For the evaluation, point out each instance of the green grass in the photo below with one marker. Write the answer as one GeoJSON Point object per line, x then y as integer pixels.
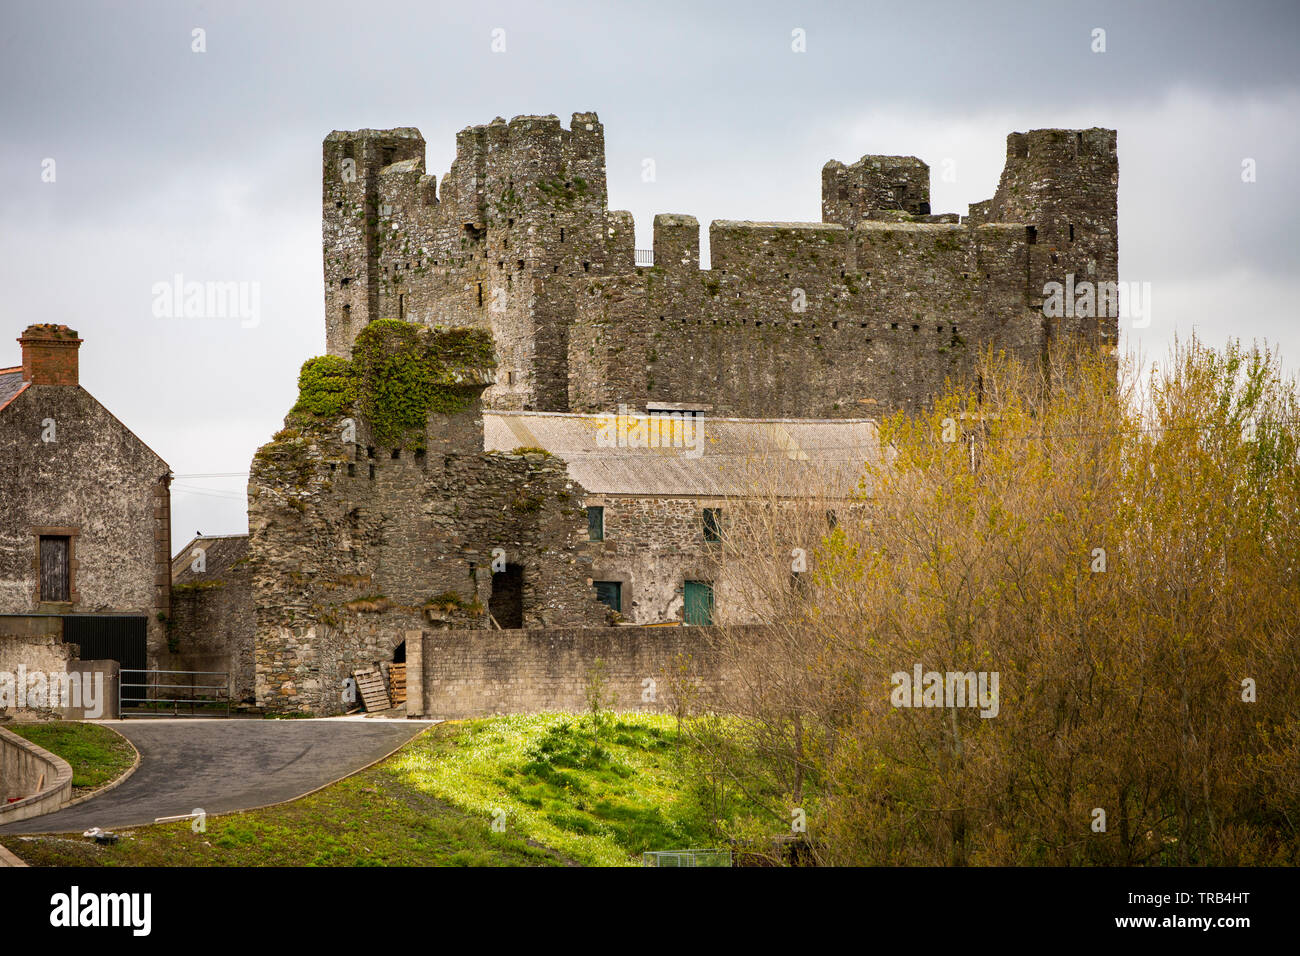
{"type": "Point", "coordinates": [96, 754]}
{"type": "Point", "coordinates": [434, 803]}
{"type": "Point", "coordinates": [601, 809]}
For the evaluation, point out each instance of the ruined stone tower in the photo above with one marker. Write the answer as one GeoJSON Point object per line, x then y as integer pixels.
{"type": "Point", "coordinates": [865, 312]}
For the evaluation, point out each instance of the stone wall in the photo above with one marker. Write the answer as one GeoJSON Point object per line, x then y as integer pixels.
{"type": "Point", "coordinates": [869, 310]}
{"type": "Point", "coordinates": [41, 781]}
{"type": "Point", "coordinates": [353, 543]}
{"type": "Point", "coordinates": [35, 642]}
{"type": "Point", "coordinates": [652, 545]}
{"type": "Point", "coordinates": [479, 673]}
{"type": "Point", "coordinates": [212, 619]}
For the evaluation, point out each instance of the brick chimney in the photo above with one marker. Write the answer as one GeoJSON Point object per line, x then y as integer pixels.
{"type": "Point", "coordinates": [50, 355]}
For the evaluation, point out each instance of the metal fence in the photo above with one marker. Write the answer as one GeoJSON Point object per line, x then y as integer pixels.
{"type": "Point", "coordinates": [159, 693]}
{"type": "Point", "coordinates": [643, 257]}
{"type": "Point", "coordinates": [686, 858]}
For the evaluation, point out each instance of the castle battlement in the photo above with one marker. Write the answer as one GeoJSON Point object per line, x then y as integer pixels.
{"type": "Point", "coordinates": [868, 310]}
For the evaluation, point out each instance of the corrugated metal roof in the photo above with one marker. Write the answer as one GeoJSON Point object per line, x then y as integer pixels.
{"type": "Point", "coordinates": [11, 383]}
{"type": "Point", "coordinates": [715, 457]}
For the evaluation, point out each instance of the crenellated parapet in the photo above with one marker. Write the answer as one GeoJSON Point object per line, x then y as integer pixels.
{"type": "Point", "coordinates": [869, 309]}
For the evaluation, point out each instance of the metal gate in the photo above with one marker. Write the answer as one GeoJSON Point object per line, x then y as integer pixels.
{"type": "Point", "coordinates": [103, 637]}
{"type": "Point", "coordinates": [159, 693]}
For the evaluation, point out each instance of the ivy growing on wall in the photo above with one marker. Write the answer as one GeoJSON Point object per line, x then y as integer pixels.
{"type": "Point", "coordinates": [400, 372]}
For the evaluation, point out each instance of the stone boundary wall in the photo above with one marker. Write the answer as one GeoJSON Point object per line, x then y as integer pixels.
{"type": "Point", "coordinates": [22, 764]}
{"type": "Point", "coordinates": [457, 674]}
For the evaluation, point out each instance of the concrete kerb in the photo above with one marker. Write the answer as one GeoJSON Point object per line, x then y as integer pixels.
{"type": "Point", "coordinates": [8, 859]}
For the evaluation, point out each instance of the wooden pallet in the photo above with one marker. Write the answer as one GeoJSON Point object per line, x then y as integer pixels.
{"type": "Point", "coordinates": [397, 684]}
{"type": "Point", "coordinates": [370, 687]}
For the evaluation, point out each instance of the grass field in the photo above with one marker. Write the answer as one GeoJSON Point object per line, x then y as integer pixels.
{"type": "Point", "coordinates": [502, 791]}
{"type": "Point", "coordinates": [539, 775]}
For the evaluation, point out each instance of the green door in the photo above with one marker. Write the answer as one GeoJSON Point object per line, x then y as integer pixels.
{"type": "Point", "coordinates": [699, 602]}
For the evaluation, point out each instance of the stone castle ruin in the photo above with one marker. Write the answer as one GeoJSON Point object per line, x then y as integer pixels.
{"type": "Point", "coordinates": [445, 486]}
{"type": "Point", "coordinates": [865, 312]}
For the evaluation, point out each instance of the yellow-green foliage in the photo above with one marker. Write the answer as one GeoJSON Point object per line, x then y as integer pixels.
{"type": "Point", "coordinates": [1121, 551]}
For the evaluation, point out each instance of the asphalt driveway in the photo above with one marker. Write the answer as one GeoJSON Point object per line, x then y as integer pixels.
{"type": "Point", "coordinates": [224, 765]}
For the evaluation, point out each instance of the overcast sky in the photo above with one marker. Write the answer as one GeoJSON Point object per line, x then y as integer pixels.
{"type": "Point", "coordinates": [207, 164]}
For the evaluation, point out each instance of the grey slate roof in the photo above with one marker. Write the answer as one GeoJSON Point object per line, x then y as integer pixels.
{"type": "Point", "coordinates": [735, 457]}
{"type": "Point", "coordinates": [11, 383]}
{"type": "Point", "coordinates": [220, 554]}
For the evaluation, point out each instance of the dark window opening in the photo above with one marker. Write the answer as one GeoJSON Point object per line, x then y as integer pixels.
{"type": "Point", "coordinates": [387, 155]}
{"type": "Point", "coordinates": [480, 294]}
{"type": "Point", "coordinates": [610, 594]}
{"type": "Point", "coordinates": [712, 524]}
{"type": "Point", "coordinates": [561, 234]}
{"type": "Point", "coordinates": [506, 605]}
{"type": "Point", "coordinates": [596, 523]}
{"type": "Point", "coordinates": [401, 305]}
{"type": "Point", "coordinates": [56, 570]}
{"type": "Point", "coordinates": [397, 453]}
{"type": "Point", "coordinates": [1072, 232]}
{"type": "Point", "coordinates": [1031, 235]}
{"type": "Point", "coordinates": [399, 653]}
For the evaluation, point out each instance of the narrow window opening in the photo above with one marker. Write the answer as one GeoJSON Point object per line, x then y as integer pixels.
{"type": "Point", "coordinates": [712, 524]}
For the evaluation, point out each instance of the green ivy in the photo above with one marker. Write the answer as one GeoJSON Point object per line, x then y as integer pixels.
{"type": "Point", "coordinates": [400, 372]}
{"type": "Point", "coordinates": [327, 386]}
